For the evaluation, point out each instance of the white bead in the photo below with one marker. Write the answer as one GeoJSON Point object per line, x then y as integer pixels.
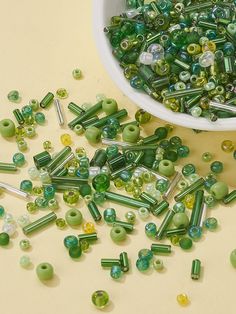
{"type": "Point", "coordinates": [196, 111]}
{"type": "Point", "coordinates": [93, 171]}
{"type": "Point", "coordinates": [157, 51]}
{"type": "Point", "coordinates": [206, 59]}
{"type": "Point", "coordinates": [132, 12]}
{"type": "Point", "coordinates": [23, 220]}
{"type": "Point", "coordinates": [146, 58]}
{"type": "Point", "coordinates": [105, 170]}
{"type": "Point", "coordinates": [10, 229]}
{"type": "Point", "coordinates": [8, 218]}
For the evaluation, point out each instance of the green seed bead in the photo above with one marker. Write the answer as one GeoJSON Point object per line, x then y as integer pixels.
{"type": "Point", "coordinates": [25, 261]}
{"type": "Point", "coordinates": [75, 251]}
{"type": "Point", "coordinates": [53, 204]}
{"type": "Point", "coordinates": [93, 134]}
{"type": "Point", "coordinates": [40, 118]}
{"type": "Point", "coordinates": [18, 159]}
{"type": "Point", "coordinates": [118, 234]}
{"type": "Point", "coordinates": [217, 167]}
{"type": "Point", "coordinates": [22, 145]}
{"type": "Point", "coordinates": [26, 111]}
{"type": "Point", "coordinates": [158, 265]}
{"type": "Point", "coordinates": [185, 243]}
{"type": "Point", "coordinates": [77, 74]}
{"type": "Point", "coordinates": [211, 223]}
{"type": "Point", "coordinates": [70, 241]}
{"type": "Point", "coordinates": [73, 217]}
{"type": "Point", "coordinates": [207, 157]}
{"type": "Point", "coordinates": [30, 132]}
{"type": "Point", "coordinates": [44, 271]}
{"type": "Point", "coordinates": [7, 128]}
{"type": "Point", "coordinates": [227, 146]}
{"type": "Point", "coordinates": [130, 217]}
{"type": "Point", "coordinates": [34, 104]}
{"type": "Point", "coordinates": [60, 223]}
{"type": "Point", "coordinates": [14, 96]}
{"type": "Point", "coordinates": [109, 106]}
{"type": "Point", "coordinates": [142, 116]}
{"type": "Point", "coordinates": [219, 190]}
{"type": "Point", "coordinates": [109, 215]}
{"type": "Point", "coordinates": [101, 182]}
{"type": "Point", "coordinates": [62, 93]}
{"type": "Point", "coordinates": [71, 197]}
{"type": "Point", "coordinates": [24, 244]}
{"type": "Point", "coordinates": [4, 239]}
{"type": "Point", "coordinates": [180, 220]}
{"type": "Point", "coordinates": [188, 169]}
{"type": "Point", "coordinates": [142, 264]}
{"type": "Point", "coordinates": [84, 245]}
{"type": "Point", "coordinates": [166, 168]}
{"type": "Point", "coordinates": [31, 207]}
{"type": "Point", "coordinates": [131, 133]}
{"type": "Point", "coordinates": [100, 299]}
{"type": "Point", "coordinates": [2, 211]}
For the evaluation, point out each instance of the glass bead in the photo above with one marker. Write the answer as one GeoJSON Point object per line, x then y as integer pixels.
{"type": "Point", "coordinates": [25, 261]}
{"type": "Point", "coordinates": [158, 265]}
{"type": "Point", "coordinates": [109, 132]}
{"type": "Point", "coordinates": [118, 234]}
{"type": "Point", "coordinates": [75, 251]}
{"type": "Point", "coordinates": [136, 192]}
{"type": "Point", "coordinates": [53, 204]}
{"type": "Point", "coordinates": [146, 58]}
{"type": "Point", "coordinates": [86, 105]}
{"type": "Point", "coordinates": [112, 151]}
{"type": "Point", "coordinates": [185, 243]}
{"type": "Point", "coordinates": [93, 172]}
{"type": "Point", "coordinates": [26, 185]}
{"type": "Point", "coordinates": [125, 176]}
{"type": "Point", "coordinates": [82, 173]}
{"type": "Point", "coordinates": [45, 271]}
{"type": "Point", "coordinates": [119, 183]}
{"type": "Point", "coordinates": [143, 213]}
{"type": "Point", "coordinates": [100, 299]}
{"type": "Point", "coordinates": [130, 217]}
{"type": "Point", "coordinates": [142, 264]}
{"type": "Point", "coordinates": [30, 131]}
{"type": "Point", "coordinates": [66, 139]}
{"type": "Point", "coordinates": [14, 96]}
{"type": "Point", "coordinates": [162, 185]}
{"type": "Point", "coordinates": [211, 223]}
{"type": "Point", "coordinates": [89, 227]}
{"type": "Point", "coordinates": [60, 223]}
{"type": "Point", "coordinates": [4, 239]}
{"type": "Point", "coordinates": [30, 120]}
{"type": "Point", "coordinates": [182, 185]}
{"type": "Point", "coordinates": [210, 201]}
{"type": "Point", "coordinates": [31, 207]}
{"type": "Point", "coordinates": [150, 188]}
{"type": "Point", "coordinates": [2, 211]}
{"type": "Point", "coordinates": [26, 111]}
{"type": "Point", "coordinates": [41, 202]}
{"type": "Point", "coordinates": [180, 220]}
{"type": "Point", "coordinates": [71, 241]}
{"type": "Point", "coordinates": [189, 201]}
{"type": "Point", "coordinates": [116, 272]}
{"type": "Point", "coordinates": [23, 220]}
{"type": "Point", "coordinates": [18, 159]}
{"type": "Point", "coordinates": [101, 182]}
{"type": "Point", "coordinates": [217, 166]}
{"type": "Point", "coordinates": [25, 244]}
{"type": "Point", "coordinates": [44, 176]}
{"type": "Point", "coordinates": [206, 59]}
{"type": "Point", "coordinates": [183, 151]}
{"type": "Point", "coordinates": [77, 74]}
{"type": "Point", "coordinates": [109, 215]}
{"type": "Point", "coordinates": [142, 116]}
{"type": "Point", "coordinates": [9, 228]}
{"type": "Point", "coordinates": [71, 197]}
{"type": "Point", "coordinates": [20, 132]}
{"type": "Point", "coordinates": [33, 173]}
{"type": "Point", "coordinates": [8, 218]}
{"type": "Point", "coordinates": [179, 207]}
{"type": "Point", "coordinates": [196, 112]}
{"type": "Point", "coordinates": [227, 146]}
{"type": "Point", "coordinates": [84, 162]}
{"type": "Point", "coordinates": [47, 145]}
{"type": "Point", "coordinates": [182, 299]}
{"type": "Point", "coordinates": [195, 232]}
{"type": "Point", "coordinates": [151, 229]}
{"type": "Point", "coordinates": [99, 198]}
{"type": "Point", "coordinates": [73, 217]}
{"type": "Point", "coordinates": [37, 190]}
{"type": "Point", "coordinates": [114, 123]}
{"type": "Point", "coordinates": [22, 145]}
{"type": "Point", "coordinates": [39, 118]}
{"type": "Point", "coordinates": [49, 192]}
{"type": "Point", "coordinates": [145, 254]}
{"type": "Point", "coordinates": [84, 245]}
{"type": "Point", "coordinates": [62, 93]}
{"type": "Point", "coordinates": [188, 169]}
{"type": "Point", "coordinates": [138, 182]}
{"type": "Point", "coordinates": [34, 104]}
{"type": "Point", "coordinates": [193, 177]}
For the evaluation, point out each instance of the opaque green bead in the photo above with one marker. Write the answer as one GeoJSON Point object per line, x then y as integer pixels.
{"type": "Point", "coordinates": [73, 217]}
{"type": "Point", "coordinates": [75, 251]}
{"type": "Point", "coordinates": [4, 239]}
{"type": "Point", "coordinates": [158, 264]}
{"type": "Point", "coordinates": [109, 106]}
{"type": "Point", "coordinates": [85, 189]}
{"type": "Point", "coordinates": [93, 134]}
{"type": "Point", "coordinates": [45, 271]}
{"type": "Point", "coordinates": [25, 261]}
{"type": "Point", "coordinates": [166, 168]}
{"type": "Point", "coordinates": [131, 133]}
{"type": "Point", "coordinates": [118, 234]}
{"type": "Point", "coordinates": [180, 220]}
{"type": "Point", "coordinates": [217, 167]}
{"type": "Point", "coordinates": [185, 243]}
{"type": "Point", "coordinates": [219, 190]}
{"type": "Point", "coordinates": [7, 128]}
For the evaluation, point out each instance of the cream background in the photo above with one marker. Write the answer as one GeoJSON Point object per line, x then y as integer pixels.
{"type": "Point", "coordinates": [41, 43]}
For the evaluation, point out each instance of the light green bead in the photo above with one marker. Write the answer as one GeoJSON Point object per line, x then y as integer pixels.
{"type": "Point", "coordinates": [131, 133]}
{"type": "Point", "coordinates": [109, 106]}
{"type": "Point", "coordinates": [166, 168]}
{"type": "Point", "coordinates": [44, 271]}
{"type": "Point", "coordinates": [100, 299]}
{"type": "Point", "coordinates": [93, 134]}
{"type": "Point", "coordinates": [180, 220]}
{"type": "Point", "coordinates": [118, 234]}
{"type": "Point", "coordinates": [24, 244]}
{"type": "Point", "coordinates": [34, 104]}
{"type": "Point", "coordinates": [77, 74]}
{"type": "Point", "coordinates": [219, 190]}
{"type": "Point", "coordinates": [7, 128]}
{"type": "Point", "coordinates": [25, 261]}
{"type": "Point", "coordinates": [73, 217]}
{"type": "Point", "coordinates": [158, 264]}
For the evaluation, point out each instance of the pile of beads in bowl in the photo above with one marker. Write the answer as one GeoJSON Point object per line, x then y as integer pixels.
{"type": "Point", "coordinates": [179, 53]}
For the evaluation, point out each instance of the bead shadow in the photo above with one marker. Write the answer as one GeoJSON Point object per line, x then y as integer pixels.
{"type": "Point", "coordinates": [109, 308]}
{"type": "Point", "coordinates": [54, 282]}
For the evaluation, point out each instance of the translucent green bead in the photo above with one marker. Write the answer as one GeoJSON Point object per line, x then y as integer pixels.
{"type": "Point", "coordinates": [30, 131]}
{"type": "Point", "coordinates": [2, 211]}
{"type": "Point", "coordinates": [74, 217]}
{"type": "Point", "coordinates": [37, 190]}
{"type": "Point", "coordinates": [71, 197]}
{"type": "Point", "coordinates": [29, 120]}
{"type": "Point", "coordinates": [109, 131]}
{"type": "Point", "coordinates": [70, 241]}
{"type": "Point", "coordinates": [109, 215]}
{"type": "Point", "coordinates": [34, 104]}
{"type": "Point", "coordinates": [100, 299]}
{"type": "Point", "coordinates": [193, 177]}
{"type": "Point", "coordinates": [118, 234]}
{"type": "Point", "coordinates": [211, 223]}
{"type": "Point", "coordinates": [158, 265]}
{"type": "Point", "coordinates": [14, 96]}
{"type": "Point", "coordinates": [75, 251]}
{"type": "Point", "coordinates": [182, 185]}
{"type": "Point", "coordinates": [26, 185]}
{"type": "Point", "coordinates": [49, 192]}
{"type": "Point", "coordinates": [45, 271]}
{"type": "Point", "coordinates": [18, 159]}
{"type": "Point", "coordinates": [25, 261]}
{"type": "Point", "coordinates": [217, 167]}
{"type": "Point", "coordinates": [99, 198]}
{"type": "Point", "coordinates": [180, 220]}
{"type": "Point", "coordinates": [53, 204]}
{"type": "Point", "coordinates": [62, 93]}
{"type": "Point", "coordinates": [77, 74]}
{"type": "Point", "coordinates": [116, 272]}
{"type": "Point", "coordinates": [26, 111]}
{"type": "Point", "coordinates": [31, 207]}
{"type": "Point", "coordinates": [84, 245]}
{"type": "Point", "coordinates": [60, 223]}
{"type": "Point", "coordinates": [145, 254]}
{"type": "Point", "coordinates": [142, 116]}
{"type": "Point", "coordinates": [47, 145]}
{"type": "Point", "coordinates": [112, 151]}
{"type": "Point", "coordinates": [179, 207]}
{"type": "Point", "coordinates": [188, 170]}
{"type": "Point", "coordinates": [151, 229]}
{"type": "Point", "coordinates": [207, 157]}
{"type": "Point", "coordinates": [101, 182]}
{"type": "Point", "coordinates": [210, 201]}
{"type": "Point", "coordinates": [142, 264]}
{"type": "Point", "coordinates": [25, 244]}
{"type": "Point", "coordinates": [19, 132]}
{"type": "Point", "coordinates": [40, 118]}
{"type": "Point", "coordinates": [227, 146]}
{"type": "Point", "coordinates": [183, 151]}
{"type": "Point", "coordinates": [143, 213]}
{"type": "Point", "coordinates": [44, 176]}
{"type": "Point", "coordinates": [185, 243]}
{"type": "Point", "coordinates": [125, 176]}
{"type": "Point", "coordinates": [130, 217]}
{"type": "Point", "coordinates": [41, 202]}
{"type": "Point", "coordinates": [189, 201]}
{"type": "Point", "coordinates": [137, 192]}
{"type": "Point", "coordinates": [162, 185]}
{"type": "Point", "coordinates": [175, 239]}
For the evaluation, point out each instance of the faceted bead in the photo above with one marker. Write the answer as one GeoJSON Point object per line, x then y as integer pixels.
{"type": "Point", "coordinates": [130, 217]}
{"type": "Point", "coordinates": [100, 299]}
{"type": "Point", "coordinates": [60, 223]}
{"type": "Point", "coordinates": [38, 190]}
{"type": "Point", "coordinates": [158, 265]}
{"type": "Point", "coordinates": [151, 229]}
{"type": "Point", "coordinates": [2, 211]}
{"type": "Point", "coordinates": [182, 299]}
{"type": "Point", "coordinates": [143, 213]}
{"type": "Point", "coordinates": [45, 271]}
{"type": "Point", "coordinates": [142, 264]}
{"type": "Point", "coordinates": [179, 207]}
{"type": "Point", "coordinates": [26, 185]}
{"type": "Point", "coordinates": [116, 272]}
{"type": "Point", "coordinates": [71, 197]}
{"type": "Point", "coordinates": [185, 243]}
{"type": "Point", "coordinates": [114, 122]}
{"type": "Point", "coordinates": [73, 217]}
{"type": "Point", "coordinates": [137, 192]}
{"type": "Point", "coordinates": [30, 120]}
{"type": "Point", "coordinates": [77, 74]}
{"type": "Point", "coordinates": [70, 241]}
{"type": "Point", "coordinates": [33, 173]}
{"type": "Point", "coordinates": [145, 254]}
{"type": "Point", "coordinates": [19, 132]}
{"type": "Point", "coordinates": [18, 159]}
{"type": "Point", "coordinates": [25, 261]}
{"type": "Point", "coordinates": [189, 201]}
{"type": "Point", "coordinates": [14, 96]}
{"type": "Point", "coordinates": [211, 223]}
{"type": "Point", "coordinates": [47, 145]}
{"type": "Point", "coordinates": [162, 185]}
{"type": "Point", "coordinates": [84, 245]}
{"type": "Point", "coordinates": [217, 167]}
{"type": "Point", "coordinates": [125, 176]}
{"type": "Point", "coordinates": [23, 220]}
{"type": "Point", "coordinates": [4, 238]}
{"type": "Point", "coordinates": [40, 118]}
{"type": "Point", "coordinates": [31, 207]}
{"type": "Point", "coordinates": [75, 251]}
{"type": "Point", "coordinates": [66, 139]}
{"type": "Point", "coordinates": [25, 244]}
{"type": "Point", "coordinates": [89, 227]}
{"type": "Point", "coordinates": [227, 146]}
{"type": "Point", "coordinates": [188, 169]}
{"type": "Point", "coordinates": [62, 93]}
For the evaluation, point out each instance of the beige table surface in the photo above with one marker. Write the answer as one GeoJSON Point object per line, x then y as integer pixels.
{"type": "Point", "coordinates": [41, 43]}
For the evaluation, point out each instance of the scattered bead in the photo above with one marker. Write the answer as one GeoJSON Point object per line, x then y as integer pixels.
{"type": "Point", "coordinates": [227, 146]}
{"type": "Point", "coordinates": [211, 223]}
{"type": "Point", "coordinates": [116, 272]}
{"type": "Point", "coordinates": [66, 139]}
{"type": "Point", "coordinates": [89, 227]}
{"type": "Point", "coordinates": [18, 159]}
{"type": "Point", "coordinates": [182, 299]}
{"type": "Point", "coordinates": [60, 223]}
{"type": "Point", "coordinates": [14, 96]}
{"type": "Point", "coordinates": [77, 74]}
{"type": "Point", "coordinates": [100, 299]}
{"type": "Point", "coordinates": [62, 93]}
{"type": "Point", "coordinates": [45, 271]}
{"type": "Point", "coordinates": [158, 265]}
{"type": "Point", "coordinates": [207, 157]}
{"type": "Point", "coordinates": [4, 239]}
{"type": "Point", "coordinates": [25, 244]}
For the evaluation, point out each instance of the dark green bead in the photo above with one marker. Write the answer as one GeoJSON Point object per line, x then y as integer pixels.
{"type": "Point", "coordinates": [75, 251]}
{"type": "Point", "coordinates": [217, 167]}
{"type": "Point", "coordinates": [99, 198]}
{"type": "Point", "coordinates": [170, 155]}
{"type": "Point", "coordinates": [175, 142]}
{"type": "Point", "coordinates": [26, 185]}
{"type": "Point", "coordinates": [4, 239]}
{"type": "Point", "coordinates": [185, 243]}
{"type": "Point", "coordinates": [162, 132]}
{"type": "Point", "coordinates": [101, 182]}
{"type": "Point", "coordinates": [183, 151]}
{"type": "Point", "coordinates": [85, 189]}
{"type": "Point", "coordinates": [188, 169]}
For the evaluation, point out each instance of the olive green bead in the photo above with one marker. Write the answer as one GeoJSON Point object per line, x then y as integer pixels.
{"type": "Point", "coordinates": [131, 133]}
{"type": "Point", "coordinates": [180, 220]}
{"type": "Point", "coordinates": [118, 234]}
{"type": "Point", "coordinates": [166, 168]}
{"type": "Point", "coordinates": [109, 106]}
{"type": "Point", "coordinates": [219, 190]}
{"type": "Point", "coordinates": [233, 258]}
{"type": "Point", "coordinates": [73, 217]}
{"type": "Point", "coordinates": [44, 271]}
{"type": "Point", "coordinates": [7, 128]}
{"type": "Point", "coordinates": [93, 134]}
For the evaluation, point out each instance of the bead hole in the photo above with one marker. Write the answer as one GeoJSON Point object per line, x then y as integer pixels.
{"type": "Point", "coordinates": [131, 129]}
{"type": "Point", "coordinates": [72, 214]}
{"type": "Point", "coordinates": [44, 267]}
{"type": "Point", "coordinates": [117, 231]}
{"type": "Point", "coordinates": [6, 123]}
{"type": "Point", "coordinates": [166, 163]}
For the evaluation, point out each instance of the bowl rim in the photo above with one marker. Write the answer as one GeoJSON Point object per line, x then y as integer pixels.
{"type": "Point", "coordinates": [140, 99]}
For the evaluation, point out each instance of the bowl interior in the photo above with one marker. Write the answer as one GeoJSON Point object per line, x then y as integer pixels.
{"type": "Point", "coordinates": [103, 10]}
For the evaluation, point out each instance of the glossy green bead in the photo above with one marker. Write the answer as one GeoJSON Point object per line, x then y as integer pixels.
{"type": "Point", "coordinates": [180, 220]}
{"type": "Point", "coordinates": [145, 254]}
{"type": "Point", "coordinates": [109, 132]}
{"type": "Point", "coordinates": [116, 272]}
{"type": "Point", "coordinates": [109, 215]}
{"type": "Point", "coordinates": [130, 217]}
{"type": "Point", "coordinates": [211, 223]}
{"type": "Point", "coordinates": [131, 133]}
{"type": "Point", "coordinates": [73, 217]}
{"type": "Point", "coordinates": [49, 192]}
{"type": "Point", "coordinates": [219, 190]}
{"type": "Point", "coordinates": [99, 198]}
{"type": "Point", "coordinates": [14, 96]}
{"type": "Point", "coordinates": [143, 213]}
{"type": "Point", "coordinates": [70, 241]}
{"type": "Point", "coordinates": [142, 116]}
{"type": "Point", "coordinates": [7, 128]}
{"type": "Point", "coordinates": [26, 185]}
{"type": "Point", "coordinates": [18, 159]}
{"type": "Point", "coordinates": [100, 299]}
{"type": "Point", "coordinates": [227, 146]}
{"type": "Point", "coordinates": [217, 167]}
{"type": "Point", "coordinates": [162, 185]}
{"type": "Point", "coordinates": [45, 271]}
{"type": "Point", "coordinates": [26, 111]}
{"type": "Point", "coordinates": [179, 207]}
{"type": "Point", "coordinates": [158, 265]}
{"type": "Point", "coordinates": [75, 251]}
{"type": "Point", "coordinates": [109, 106]}
{"type": "Point", "coordinates": [101, 182]}
{"type": "Point", "coordinates": [188, 169]}
{"type": "Point", "coordinates": [151, 229]}
{"type": "Point", "coordinates": [77, 74]}
{"type": "Point", "coordinates": [118, 234]}
{"type": "Point", "coordinates": [84, 245]}
{"type": "Point", "coordinates": [53, 204]}
{"type": "Point", "coordinates": [60, 223]}
{"type": "Point", "coordinates": [25, 261]}
{"type": "Point", "coordinates": [85, 189]}
{"type": "Point", "coordinates": [93, 134]}
{"type": "Point", "coordinates": [166, 168]}
{"type": "Point", "coordinates": [183, 151]}
{"type": "Point", "coordinates": [40, 118]}
{"type": "Point", "coordinates": [25, 244]}
{"type": "Point", "coordinates": [41, 202]}
{"type": "Point", "coordinates": [207, 157]}
{"type": "Point", "coordinates": [185, 243]}
{"type": "Point", "coordinates": [31, 207]}
{"type": "Point", "coordinates": [233, 258]}
{"type": "Point", "coordinates": [4, 239]}
{"type": "Point", "coordinates": [30, 131]}
{"type": "Point", "coordinates": [34, 104]}
{"type": "Point", "coordinates": [71, 197]}
{"type": "Point", "coordinates": [142, 264]}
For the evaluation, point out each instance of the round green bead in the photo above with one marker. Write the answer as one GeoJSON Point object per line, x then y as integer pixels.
{"type": "Point", "coordinates": [44, 271]}
{"type": "Point", "coordinates": [93, 134]}
{"type": "Point", "coordinates": [118, 234]}
{"type": "Point", "coordinates": [22, 145]}
{"type": "Point", "coordinates": [31, 207]}
{"type": "Point", "coordinates": [26, 111]}
{"type": "Point", "coordinates": [158, 264]}
{"type": "Point", "coordinates": [14, 96]}
{"type": "Point", "coordinates": [26, 185]}
{"type": "Point", "coordinates": [25, 261]}
{"type": "Point", "coordinates": [188, 169]}
{"type": "Point", "coordinates": [142, 264]}
{"type": "Point", "coordinates": [18, 159]}
{"type": "Point", "coordinates": [179, 207]}
{"type": "Point", "coordinates": [142, 116]}
{"type": "Point", "coordinates": [180, 220]}
{"type": "Point", "coordinates": [60, 223]}
{"type": "Point", "coordinates": [101, 182]}
{"type": "Point", "coordinates": [219, 190]}
{"type": "Point", "coordinates": [62, 93]}
{"type": "Point", "coordinates": [183, 151]}
{"type": "Point", "coordinates": [4, 239]}
{"type": "Point", "coordinates": [85, 189]}
{"type": "Point", "coordinates": [100, 298]}
{"type": "Point", "coordinates": [131, 133]}
{"type": "Point", "coordinates": [75, 251]}
{"type": "Point", "coordinates": [73, 217]}
{"type": "Point", "coordinates": [7, 128]}
{"type": "Point", "coordinates": [210, 201]}
{"type": "Point", "coordinates": [146, 254]}
{"type": "Point", "coordinates": [70, 241]}
{"type": "Point", "coordinates": [109, 215]}
{"type": "Point", "coordinates": [109, 106]}
{"type": "Point", "coordinates": [207, 157]}
{"type": "Point", "coordinates": [2, 211]}
{"type": "Point", "coordinates": [130, 217]}
{"type": "Point", "coordinates": [77, 74]}
{"type": "Point", "coordinates": [217, 167]}
{"type": "Point", "coordinates": [211, 223]}
{"type": "Point", "coordinates": [24, 244]}
{"type": "Point", "coordinates": [40, 118]}
{"type": "Point", "coordinates": [185, 243]}
{"type": "Point", "coordinates": [34, 104]}
{"type": "Point", "coordinates": [71, 197]}
{"type": "Point", "coordinates": [166, 168]}
{"type": "Point", "coordinates": [53, 204]}
{"type": "Point", "coordinates": [162, 185]}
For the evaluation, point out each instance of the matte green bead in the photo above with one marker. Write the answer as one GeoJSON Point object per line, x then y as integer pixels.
{"type": "Point", "coordinates": [75, 251]}
{"type": "Point", "coordinates": [109, 106]}
{"type": "Point", "coordinates": [44, 271]}
{"type": "Point", "coordinates": [7, 128]}
{"type": "Point", "coordinates": [233, 258]}
{"type": "Point", "coordinates": [34, 104]}
{"type": "Point", "coordinates": [25, 261]}
{"type": "Point", "coordinates": [77, 74]}
{"type": "Point", "coordinates": [73, 217]}
{"type": "Point", "coordinates": [100, 299]}
{"type": "Point", "coordinates": [219, 190]}
{"type": "Point", "coordinates": [185, 243]}
{"type": "Point", "coordinates": [4, 239]}
{"type": "Point", "coordinates": [131, 133]}
{"type": "Point", "coordinates": [118, 234]}
{"type": "Point", "coordinates": [166, 168]}
{"type": "Point", "coordinates": [93, 134]}
{"type": "Point", "coordinates": [180, 220]}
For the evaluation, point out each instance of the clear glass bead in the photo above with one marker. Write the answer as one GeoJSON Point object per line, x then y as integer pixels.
{"type": "Point", "coordinates": [9, 228]}
{"type": "Point", "coordinates": [33, 173]}
{"type": "Point", "coordinates": [146, 58]}
{"type": "Point", "coordinates": [23, 220]}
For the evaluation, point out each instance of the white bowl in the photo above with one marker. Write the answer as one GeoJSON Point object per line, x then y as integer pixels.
{"type": "Point", "coordinates": [103, 10]}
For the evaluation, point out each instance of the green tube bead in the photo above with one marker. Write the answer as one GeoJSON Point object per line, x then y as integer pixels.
{"type": "Point", "coordinates": [148, 198]}
{"type": "Point", "coordinates": [109, 262]}
{"type": "Point", "coordinates": [103, 121]}
{"type": "Point", "coordinates": [40, 223]}
{"type": "Point", "coordinates": [196, 269]}
{"type": "Point", "coordinates": [165, 223]}
{"type": "Point", "coordinates": [8, 167]}
{"type": "Point", "coordinates": [183, 93]}
{"type": "Point", "coordinates": [116, 163]}
{"type": "Point", "coordinates": [190, 189]}
{"type": "Point", "coordinates": [198, 7]}
{"type": "Point", "coordinates": [125, 200]}
{"type": "Point", "coordinates": [117, 173]}
{"type": "Point", "coordinates": [42, 159]}
{"type": "Point", "coordinates": [44, 271]}
{"type": "Point", "coordinates": [99, 159]}
{"type": "Point", "coordinates": [88, 236]}
{"type": "Point", "coordinates": [160, 208]}
{"type": "Point", "coordinates": [60, 156]}
{"type": "Point", "coordinates": [109, 106]}
{"type": "Point", "coordinates": [75, 109]}
{"type": "Point", "coordinates": [86, 123]}
{"type": "Point", "coordinates": [229, 197]}
{"type": "Point", "coordinates": [73, 217]}
{"type": "Point", "coordinates": [161, 248]}
{"type": "Point", "coordinates": [69, 181]}
{"type": "Point", "coordinates": [139, 147]}
{"type": "Point", "coordinates": [19, 117]}
{"type": "Point", "coordinates": [124, 261]}
{"type": "Point", "coordinates": [126, 225]}
{"type": "Point", "coordinates": [47, 100]}
{"type": "Point", "coordinates": [7, 128]}
{"type": "Point", "coordinates": [151, 139]}
{"type": "Point", "coordinates": [131, 133]}
{"type": "Point", "coordinates": [166, 168]}
{"type": "Point", "coordinates": [95, 213]}
{"type": "Point", "coordinates": [118, 234]}
{"type": "Point", "coordinates": [219, 190]}
{"type": "Point", "coordinates": [197, 210]}
{"type": "Point", "coordinates": [176, 231]}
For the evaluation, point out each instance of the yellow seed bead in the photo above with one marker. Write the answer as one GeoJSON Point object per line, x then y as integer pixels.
{"type": "Point", "coordinates": [227, 146]}
{"type": "Point", "coordinates": [136, 192]}
{"type": "Point", "coordinates": [138, 182]}
{"type": "Point", "coordinates": [88, 227]}
{"type": "Point", "coordinates": [175, 240]}
{"type": "Point", "coordinates": [81, 151]}
{"type": "Point", "coordinates": [189, 201]}
{"type": "Point", "coordinates": [119, 183]}
{"type": "Point", "coordinates": [193, 49]}
{"type": "Point", "coordinates": [182, 299]}
{"type": "Point", "coordinates": [66, 139]}
{"type": "Point", "coordinates": [129, 187]}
